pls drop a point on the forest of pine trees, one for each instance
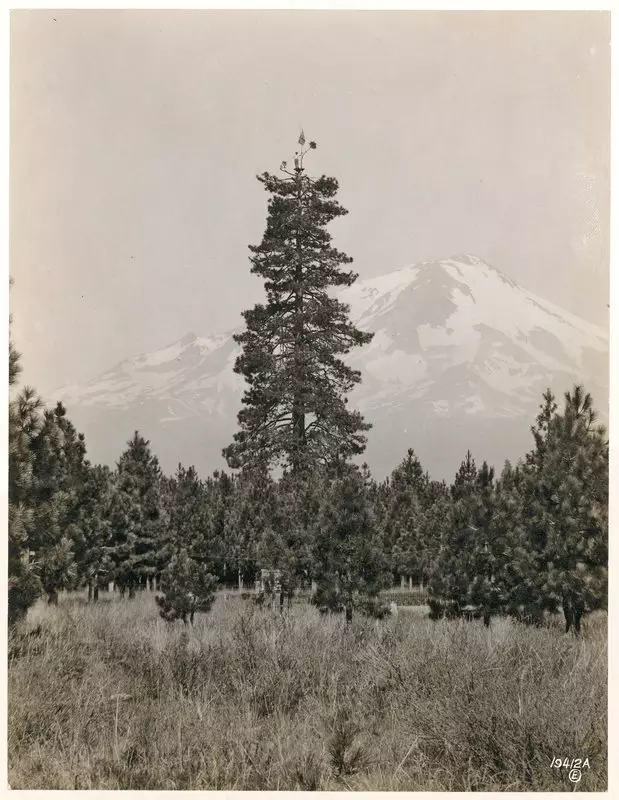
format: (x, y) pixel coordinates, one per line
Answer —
(530, 540)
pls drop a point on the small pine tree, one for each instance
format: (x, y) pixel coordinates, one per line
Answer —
(46, 472)
(514, 566)
(136, 516)
(484, 592)
(461, 566)
(188, 520)
(250, 515)
(402, 525)
(187, 587)
(566, 507)
(435, 522)
(58, 569)
(91, 531)
(350, 566)
(24, 584)
(220, 495)
(59, 477)
(289, 547)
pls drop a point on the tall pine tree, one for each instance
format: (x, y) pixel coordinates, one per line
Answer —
(295, 411)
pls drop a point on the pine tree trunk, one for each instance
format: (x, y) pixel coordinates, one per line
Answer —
(568, 612)
(410, 583)
(240, 576)
(577, 618)
(95, 594)
(89, 591)
(402, 582)
(298, 415)
(52, 598)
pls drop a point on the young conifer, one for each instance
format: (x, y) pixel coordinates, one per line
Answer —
(349, 564)
(186, 587)
(566, 507)
(136, 516)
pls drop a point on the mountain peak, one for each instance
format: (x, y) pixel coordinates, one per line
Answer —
(467, 258)
(457, 343)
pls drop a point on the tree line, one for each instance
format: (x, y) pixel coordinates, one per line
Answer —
(533, 539)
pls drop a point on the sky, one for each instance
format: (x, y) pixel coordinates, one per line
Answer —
(136, 137)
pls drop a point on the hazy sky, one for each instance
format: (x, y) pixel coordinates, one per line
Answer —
(136, 137)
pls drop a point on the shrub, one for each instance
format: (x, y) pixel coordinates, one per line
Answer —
(187, 587)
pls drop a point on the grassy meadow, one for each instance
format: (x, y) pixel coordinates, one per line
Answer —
(109, 696)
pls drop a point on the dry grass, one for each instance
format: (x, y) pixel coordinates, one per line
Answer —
(112, 697)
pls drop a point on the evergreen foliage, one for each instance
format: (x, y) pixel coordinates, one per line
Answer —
(403, 521)
(461, 570)
(533, 541)
(136, 517)
(187, 587)
(350, 566)
(188, 518)
(220, 495)
(250, 516)
(57, 567)
(46, 471)
(24, 585)
(91, 532)
(513, 560)
(295, 410)
(14, 357)
(59, 473)
(299, 503)
(537, 540)
(566, 507)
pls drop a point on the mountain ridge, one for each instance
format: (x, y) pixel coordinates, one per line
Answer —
(457, 345)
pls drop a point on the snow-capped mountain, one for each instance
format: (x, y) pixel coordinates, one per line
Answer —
(459, 360)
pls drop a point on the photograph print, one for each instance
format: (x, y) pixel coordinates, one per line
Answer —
(308, 400)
